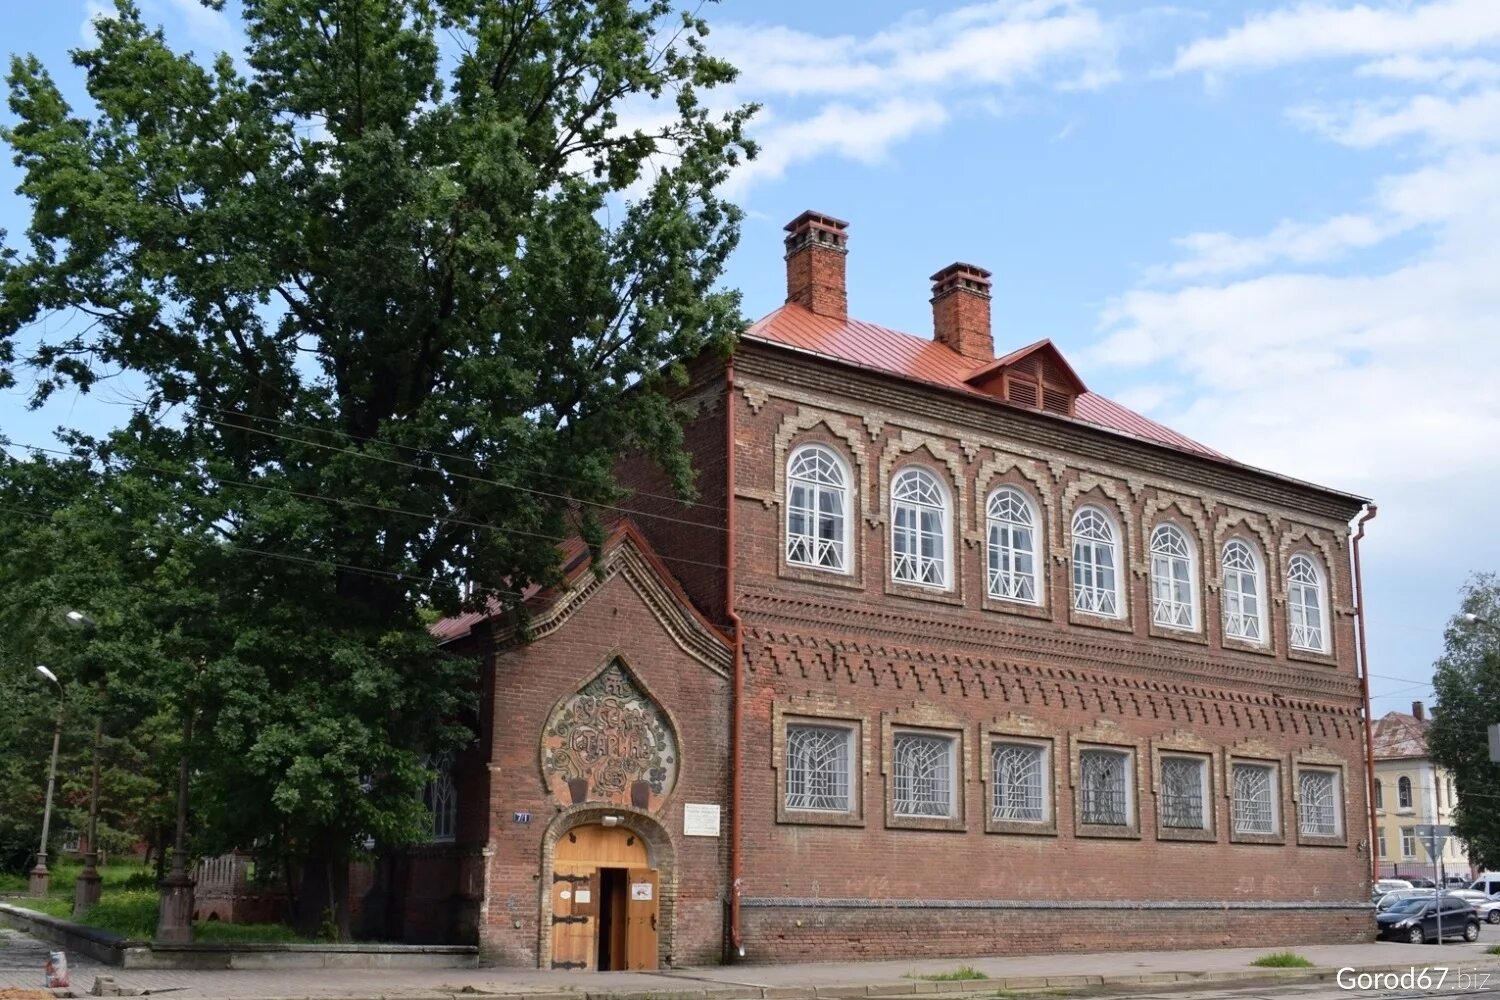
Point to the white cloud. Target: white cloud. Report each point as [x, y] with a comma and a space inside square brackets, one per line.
[1321, 31]
[205, 25]
[856, 97]
[1454, 74]
[93, 10]
[1219, 253]
[1466, 121]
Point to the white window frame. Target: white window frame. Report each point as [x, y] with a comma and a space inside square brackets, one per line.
[1403, 793]
[1408, 843]
[1127, 756]
[850, 777]
[908, 567]
[1092, 598]
[1304, 573]
[1273, 785]
[1205, 799]
[1379, 795]
[441, 799]
[808, 550]
[1237, 621]
[999, 743]
[949, 747]
[1336, 797]
[1380, 843]
[1174, 578]
[1001, 528]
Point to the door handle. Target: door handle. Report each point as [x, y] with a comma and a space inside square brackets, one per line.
[653, 922]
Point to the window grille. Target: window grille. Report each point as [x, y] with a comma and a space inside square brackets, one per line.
[1317, 806]
[1172, 597]
[817, 768]
[1012, 547]
[1018, 778]
[1241, 592]
[1104, 787]
[442, 799]
[1379, 794]
[1182, 793]
[919, 529]
[1305, 604]
[1094, 562]
[817, 505]
[1254, 799]
[1403, 793]
[924, 775]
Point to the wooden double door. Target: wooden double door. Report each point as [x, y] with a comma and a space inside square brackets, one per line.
[605, 901]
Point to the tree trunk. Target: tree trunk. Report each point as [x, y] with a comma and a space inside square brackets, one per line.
[323, 903]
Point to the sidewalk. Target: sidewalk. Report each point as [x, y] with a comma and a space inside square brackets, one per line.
[21, 960]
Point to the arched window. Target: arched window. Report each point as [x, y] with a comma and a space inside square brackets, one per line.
[1242, 602]
[1174, 599]
[1379, 794]
[1014, 570]
[1096, 579]
[919, 529]
[817, 509]
[1304, 604]
[1403, 793]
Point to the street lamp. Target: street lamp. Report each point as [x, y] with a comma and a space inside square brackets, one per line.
[87, 890]
[39, 874]
[1474, 619]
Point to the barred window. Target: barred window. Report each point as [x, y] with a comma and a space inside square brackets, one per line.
[919, 529]
[817, 518]
[1317, 807]
[1241, 592]
[818, 768]
[924, 774]
[1403, 793]
[1254, 799]
[1182, 793]
[1379, 794]
[1013, 567]
[1018, 781]
[441, 799]
[1095, 559]
[1173, 597]
[1104, 787]
[1304, 604]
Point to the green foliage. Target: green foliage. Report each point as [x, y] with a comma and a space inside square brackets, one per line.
[1282, 960]
[1467, 680]
[962, 973]
[398, 294]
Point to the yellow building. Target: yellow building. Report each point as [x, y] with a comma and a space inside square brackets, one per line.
[1410, 790]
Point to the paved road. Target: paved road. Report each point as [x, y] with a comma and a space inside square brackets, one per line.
[22, 959]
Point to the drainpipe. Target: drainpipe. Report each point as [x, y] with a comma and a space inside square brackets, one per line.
[736, 674]
[1364, 684]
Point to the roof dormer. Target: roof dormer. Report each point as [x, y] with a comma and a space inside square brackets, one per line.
[1035, 377]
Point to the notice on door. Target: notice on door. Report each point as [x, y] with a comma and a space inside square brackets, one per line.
[700, 820]
[640, 891]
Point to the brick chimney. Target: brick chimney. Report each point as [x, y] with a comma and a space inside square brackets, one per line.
[816, 245]
[961, 311]
[1418, 711]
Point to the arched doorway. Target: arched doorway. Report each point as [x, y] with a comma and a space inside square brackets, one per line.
[604, 907]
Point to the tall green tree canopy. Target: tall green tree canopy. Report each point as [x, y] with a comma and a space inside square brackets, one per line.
[1467, 680]
[401, 285]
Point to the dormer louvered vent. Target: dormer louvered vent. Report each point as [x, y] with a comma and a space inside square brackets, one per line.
[1034, 377]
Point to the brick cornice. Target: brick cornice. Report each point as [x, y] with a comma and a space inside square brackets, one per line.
[1178, 670]
[868, 392]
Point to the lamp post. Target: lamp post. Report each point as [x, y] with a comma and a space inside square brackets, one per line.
[39, 874]
[88, 888]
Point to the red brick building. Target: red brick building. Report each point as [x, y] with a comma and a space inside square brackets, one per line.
[987, 663]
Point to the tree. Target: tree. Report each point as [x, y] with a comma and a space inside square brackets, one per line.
[400, 294]
[1467, 680]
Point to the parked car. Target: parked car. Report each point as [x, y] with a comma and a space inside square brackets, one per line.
[1421, 882]
[1392, 898]
[1487, 883]
[1385, 885]
[1415, 920]
[1486, 907]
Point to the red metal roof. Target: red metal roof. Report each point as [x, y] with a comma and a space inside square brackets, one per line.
[892, 352]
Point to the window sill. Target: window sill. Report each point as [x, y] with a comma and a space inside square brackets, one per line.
[1108, 832]
[1196, 637]
[936, 595]
[1312, 840]
[1272, 839]
[1088, 620]
[1311, 656]
[1021, 827]
[1247, 646]
[946, 824]
[1194, 836]
[822, 577]
[1019, 608]
[815, 817]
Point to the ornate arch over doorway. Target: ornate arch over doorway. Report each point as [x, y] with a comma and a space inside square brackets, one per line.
[593, 840]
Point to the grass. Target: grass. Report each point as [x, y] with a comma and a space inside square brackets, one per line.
[1493, 950]
[128, 906]
[1282, 960]
[963, 972]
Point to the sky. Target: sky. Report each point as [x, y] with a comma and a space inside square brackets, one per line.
[1273, 226]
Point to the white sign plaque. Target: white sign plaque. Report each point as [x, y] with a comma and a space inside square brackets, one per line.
[640, 890]
[700, 820]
